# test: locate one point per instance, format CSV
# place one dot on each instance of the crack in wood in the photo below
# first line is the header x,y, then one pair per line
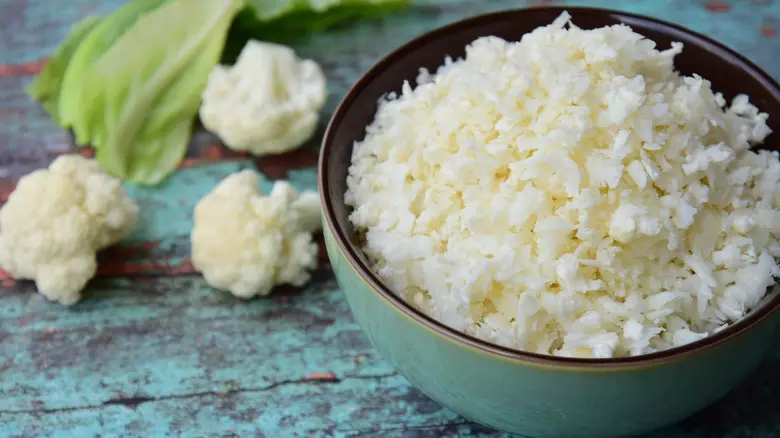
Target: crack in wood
x,y
440,428
133,402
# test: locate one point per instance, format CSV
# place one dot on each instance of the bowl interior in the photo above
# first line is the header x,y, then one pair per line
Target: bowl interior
x,y
729,73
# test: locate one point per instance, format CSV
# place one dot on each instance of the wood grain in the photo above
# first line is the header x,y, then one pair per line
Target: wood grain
x,y
152,351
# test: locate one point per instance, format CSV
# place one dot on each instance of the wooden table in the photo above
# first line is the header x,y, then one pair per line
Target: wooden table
x,y
153,351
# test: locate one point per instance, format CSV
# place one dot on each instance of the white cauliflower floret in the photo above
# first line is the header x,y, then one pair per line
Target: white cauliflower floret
x,y
247,243
57,219
267,103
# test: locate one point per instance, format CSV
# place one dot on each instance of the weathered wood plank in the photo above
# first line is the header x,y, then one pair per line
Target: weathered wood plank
x,y
152,351
169,338
179,350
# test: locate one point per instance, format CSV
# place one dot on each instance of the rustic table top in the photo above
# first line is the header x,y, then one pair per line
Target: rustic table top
x,y
153,351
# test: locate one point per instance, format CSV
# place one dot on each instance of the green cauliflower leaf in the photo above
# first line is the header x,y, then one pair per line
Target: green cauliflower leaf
x,y
145,91
46,86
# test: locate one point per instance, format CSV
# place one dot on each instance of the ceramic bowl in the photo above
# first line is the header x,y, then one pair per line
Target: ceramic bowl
x,y
525,393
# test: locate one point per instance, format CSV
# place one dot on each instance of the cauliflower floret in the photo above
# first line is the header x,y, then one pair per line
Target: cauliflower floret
x,y
247,243
57,219
267,103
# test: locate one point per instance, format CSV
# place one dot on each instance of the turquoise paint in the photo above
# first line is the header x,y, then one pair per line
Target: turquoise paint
x,y
204,363
166,211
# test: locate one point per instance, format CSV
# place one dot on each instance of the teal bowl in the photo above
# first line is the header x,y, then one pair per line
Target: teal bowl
x,y
525,393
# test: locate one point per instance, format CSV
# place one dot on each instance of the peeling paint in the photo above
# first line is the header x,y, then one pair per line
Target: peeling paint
x,y
717,6
25,69
322,376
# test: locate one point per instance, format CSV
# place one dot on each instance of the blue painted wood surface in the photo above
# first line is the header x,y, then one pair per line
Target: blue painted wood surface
x,y
152,351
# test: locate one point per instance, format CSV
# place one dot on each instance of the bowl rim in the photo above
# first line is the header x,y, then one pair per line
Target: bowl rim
x,y
350,251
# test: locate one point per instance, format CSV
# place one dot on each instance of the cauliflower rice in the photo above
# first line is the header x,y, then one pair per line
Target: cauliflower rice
x,y
569,194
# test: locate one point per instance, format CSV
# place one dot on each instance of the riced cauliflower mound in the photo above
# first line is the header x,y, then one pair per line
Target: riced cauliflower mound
x,y
570,194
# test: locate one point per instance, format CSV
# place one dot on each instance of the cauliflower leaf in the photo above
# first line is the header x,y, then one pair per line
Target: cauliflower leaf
x,y
146,88
46,87
73,110
280,21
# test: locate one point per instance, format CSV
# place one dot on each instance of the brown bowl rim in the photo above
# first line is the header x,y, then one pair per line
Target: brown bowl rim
x,y
349,250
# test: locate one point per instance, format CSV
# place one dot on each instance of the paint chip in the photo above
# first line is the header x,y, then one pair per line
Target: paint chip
x,y
322,376
28,68
717,6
